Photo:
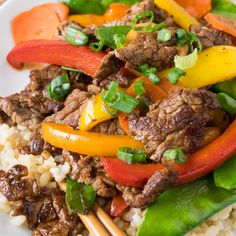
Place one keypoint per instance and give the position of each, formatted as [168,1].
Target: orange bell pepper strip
[222,23]
[196,8]
[116,11]
[56,52]
[198,164]
[87,143]
[88,19]
[118,205]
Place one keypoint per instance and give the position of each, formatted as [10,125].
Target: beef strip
[145,48]
[158,183]
[15,186]
[176,121]
[210,36]
[88,170]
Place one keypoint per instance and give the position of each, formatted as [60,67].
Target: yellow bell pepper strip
[181,16]
[94,112]
[87,143]
[214,65]
[114,12]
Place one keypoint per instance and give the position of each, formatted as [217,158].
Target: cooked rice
[44,169]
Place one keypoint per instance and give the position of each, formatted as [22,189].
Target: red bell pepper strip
[199,164]
[56,52]
[118,205]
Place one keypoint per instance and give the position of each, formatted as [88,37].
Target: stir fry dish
[134,112]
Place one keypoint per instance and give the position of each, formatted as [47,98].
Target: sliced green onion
[227,103]
[154,78]
[59,87]
[164,35]
[193,39]
[158,27]
[175,74]
[97,46]
[131,156]
[139,87]
[76,36]
[143,68]
[182,37]
[139,17]
[175,154]
[71,69]
[119,100]
[119,40]
[186,62]
[150,73]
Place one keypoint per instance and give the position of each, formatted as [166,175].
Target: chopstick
[92,223]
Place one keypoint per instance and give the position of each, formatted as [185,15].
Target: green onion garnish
[119,100]
[158,27]
[59,87]
[97,46]
[76,36]
[194,40]
[164,35]
[131,156]
[119,40]
[181,37]
[175,154]
[150,73]
[139,17]
[139,87]
[71,69]
[175,74]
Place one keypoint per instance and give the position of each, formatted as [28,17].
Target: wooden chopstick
[107,221]
[92,223]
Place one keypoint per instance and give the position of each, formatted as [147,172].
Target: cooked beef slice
[210,36]
[109,127]
[145,48]
[158,183]
[88,170]
[15,186]
[177,121]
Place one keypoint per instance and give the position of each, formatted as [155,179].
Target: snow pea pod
[227,103]
[180,209]
[225,176]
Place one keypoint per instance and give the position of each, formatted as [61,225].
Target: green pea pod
[79,197]
[224,7]
[107,34]
[85,6]
[227,103]
[179,210]
[225,176]
[228,87]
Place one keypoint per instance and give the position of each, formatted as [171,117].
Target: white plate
[11,80]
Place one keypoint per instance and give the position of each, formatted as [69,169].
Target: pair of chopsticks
[98,222]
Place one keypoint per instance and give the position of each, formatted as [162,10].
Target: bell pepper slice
[56,52]
[199,164]
[180,209]
[87,143]
[118,205]
[214,65]
[94,112]
[180,15]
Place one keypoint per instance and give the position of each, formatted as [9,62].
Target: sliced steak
[158,183]
[177,121]
[146,49]
[210,36]
[15,186]
[88,170]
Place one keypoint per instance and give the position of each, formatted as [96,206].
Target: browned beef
[88,170]
[147,49]
[158,183]
[176,121]
[210,36]
[14,186]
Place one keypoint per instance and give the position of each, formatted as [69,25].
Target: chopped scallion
[97,46]
[139,87]
[119,40]
[175,154]
[158,27]
[76,36]
[139,17]
[59,87]
[181,37]
[193,40]
[71,69]
[175,74]
[164,35]
[131,156]
[150,73]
